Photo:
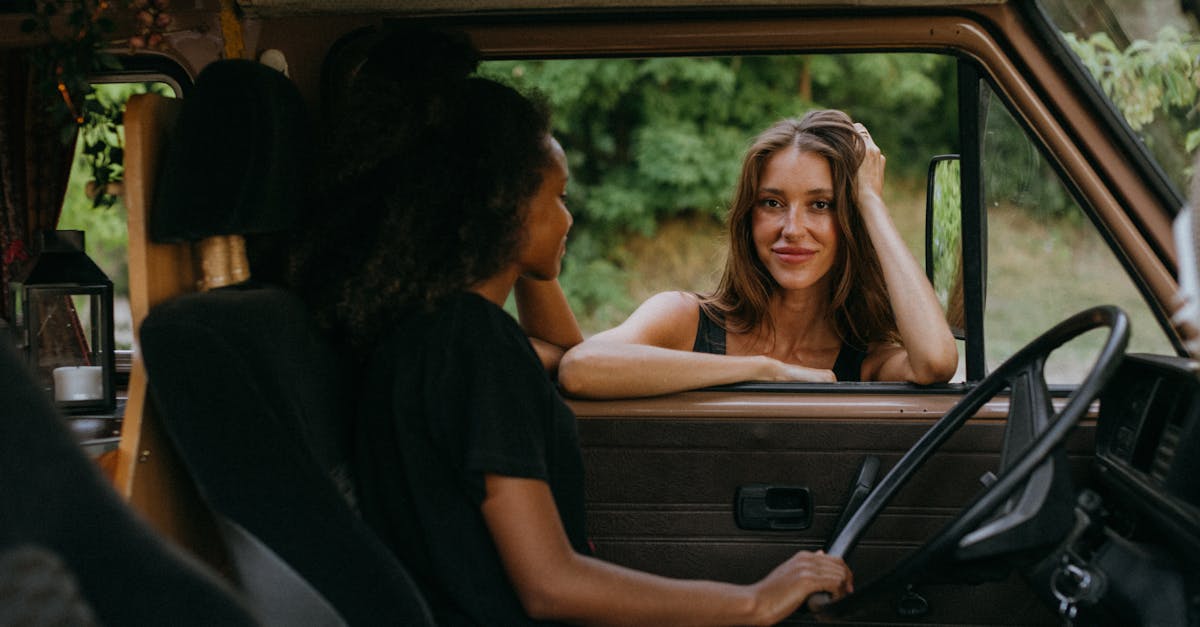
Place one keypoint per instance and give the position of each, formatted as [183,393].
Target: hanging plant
[77,33]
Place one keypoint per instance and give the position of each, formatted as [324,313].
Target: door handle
[761,506]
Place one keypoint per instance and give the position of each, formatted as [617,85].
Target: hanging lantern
[63,315]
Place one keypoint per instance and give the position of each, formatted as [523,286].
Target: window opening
[1046,260]
[655,147]
[94,203]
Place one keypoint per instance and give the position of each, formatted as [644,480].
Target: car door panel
[663,474]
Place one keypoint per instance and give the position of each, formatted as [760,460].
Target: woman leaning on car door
[450,194]
[818,284]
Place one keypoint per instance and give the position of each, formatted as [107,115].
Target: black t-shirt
[453,395]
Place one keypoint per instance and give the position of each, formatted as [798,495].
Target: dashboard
[1133,557]
[1148,446]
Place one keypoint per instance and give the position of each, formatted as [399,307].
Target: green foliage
[947,229]
[70,56]
[65,62]
[1152,83]
[647,139]
[97,171]
[100,146]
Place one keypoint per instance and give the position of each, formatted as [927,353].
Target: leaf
[1193,140]
[29,25]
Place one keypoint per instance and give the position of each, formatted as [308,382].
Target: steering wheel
[1033,432]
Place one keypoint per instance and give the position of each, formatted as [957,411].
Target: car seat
[71,549]
[247,388]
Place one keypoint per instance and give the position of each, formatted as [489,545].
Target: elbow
[573,372]
[539,605]
[545,600]
[938,368]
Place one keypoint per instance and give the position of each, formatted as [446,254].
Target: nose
[794,223]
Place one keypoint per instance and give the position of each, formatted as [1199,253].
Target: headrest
[237,159]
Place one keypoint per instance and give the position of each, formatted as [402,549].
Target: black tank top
[710,338]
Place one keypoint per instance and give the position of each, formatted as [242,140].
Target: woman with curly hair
[818,285]
[468,461]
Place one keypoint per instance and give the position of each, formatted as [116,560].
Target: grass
[1040,273]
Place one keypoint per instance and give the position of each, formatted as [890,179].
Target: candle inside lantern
[78,383]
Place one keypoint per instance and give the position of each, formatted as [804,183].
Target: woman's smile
[794,254]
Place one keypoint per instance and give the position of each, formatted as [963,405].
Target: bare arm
[927,353]
[554,582]
[547,319]
[650,353]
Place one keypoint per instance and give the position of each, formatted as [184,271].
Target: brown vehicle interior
[664,474]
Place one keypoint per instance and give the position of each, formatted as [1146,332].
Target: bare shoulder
[667,319]
[670,308]
[674,300]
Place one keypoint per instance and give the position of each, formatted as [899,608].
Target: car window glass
[1045,258]
[1145,56]
[93,201]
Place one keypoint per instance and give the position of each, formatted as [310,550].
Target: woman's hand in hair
[869,178]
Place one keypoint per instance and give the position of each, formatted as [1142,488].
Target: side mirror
[943,239]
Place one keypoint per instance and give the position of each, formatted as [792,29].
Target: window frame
[989,53]
[143,67]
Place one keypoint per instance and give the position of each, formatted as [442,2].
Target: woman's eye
[770,203]
[822,205]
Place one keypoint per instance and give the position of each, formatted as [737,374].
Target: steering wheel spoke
[1032,497]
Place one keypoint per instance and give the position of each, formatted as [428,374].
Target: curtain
[34,167]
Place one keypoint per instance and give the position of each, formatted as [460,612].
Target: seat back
[255,402]
[246,388]
[54,502]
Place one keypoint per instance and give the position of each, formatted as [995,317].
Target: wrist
[751,610]
[766,368]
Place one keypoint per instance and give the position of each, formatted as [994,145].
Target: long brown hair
[859,303]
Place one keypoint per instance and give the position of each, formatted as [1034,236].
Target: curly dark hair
[429,172]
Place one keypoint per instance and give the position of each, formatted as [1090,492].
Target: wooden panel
[148,473]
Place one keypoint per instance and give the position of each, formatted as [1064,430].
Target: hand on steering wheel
[1033,432]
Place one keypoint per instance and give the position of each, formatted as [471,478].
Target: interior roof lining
[268,8]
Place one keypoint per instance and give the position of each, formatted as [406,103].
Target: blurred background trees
[652,141]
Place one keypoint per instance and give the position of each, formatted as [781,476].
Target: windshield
[1145,54]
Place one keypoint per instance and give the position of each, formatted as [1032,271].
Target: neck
[801,320]
[497,287]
